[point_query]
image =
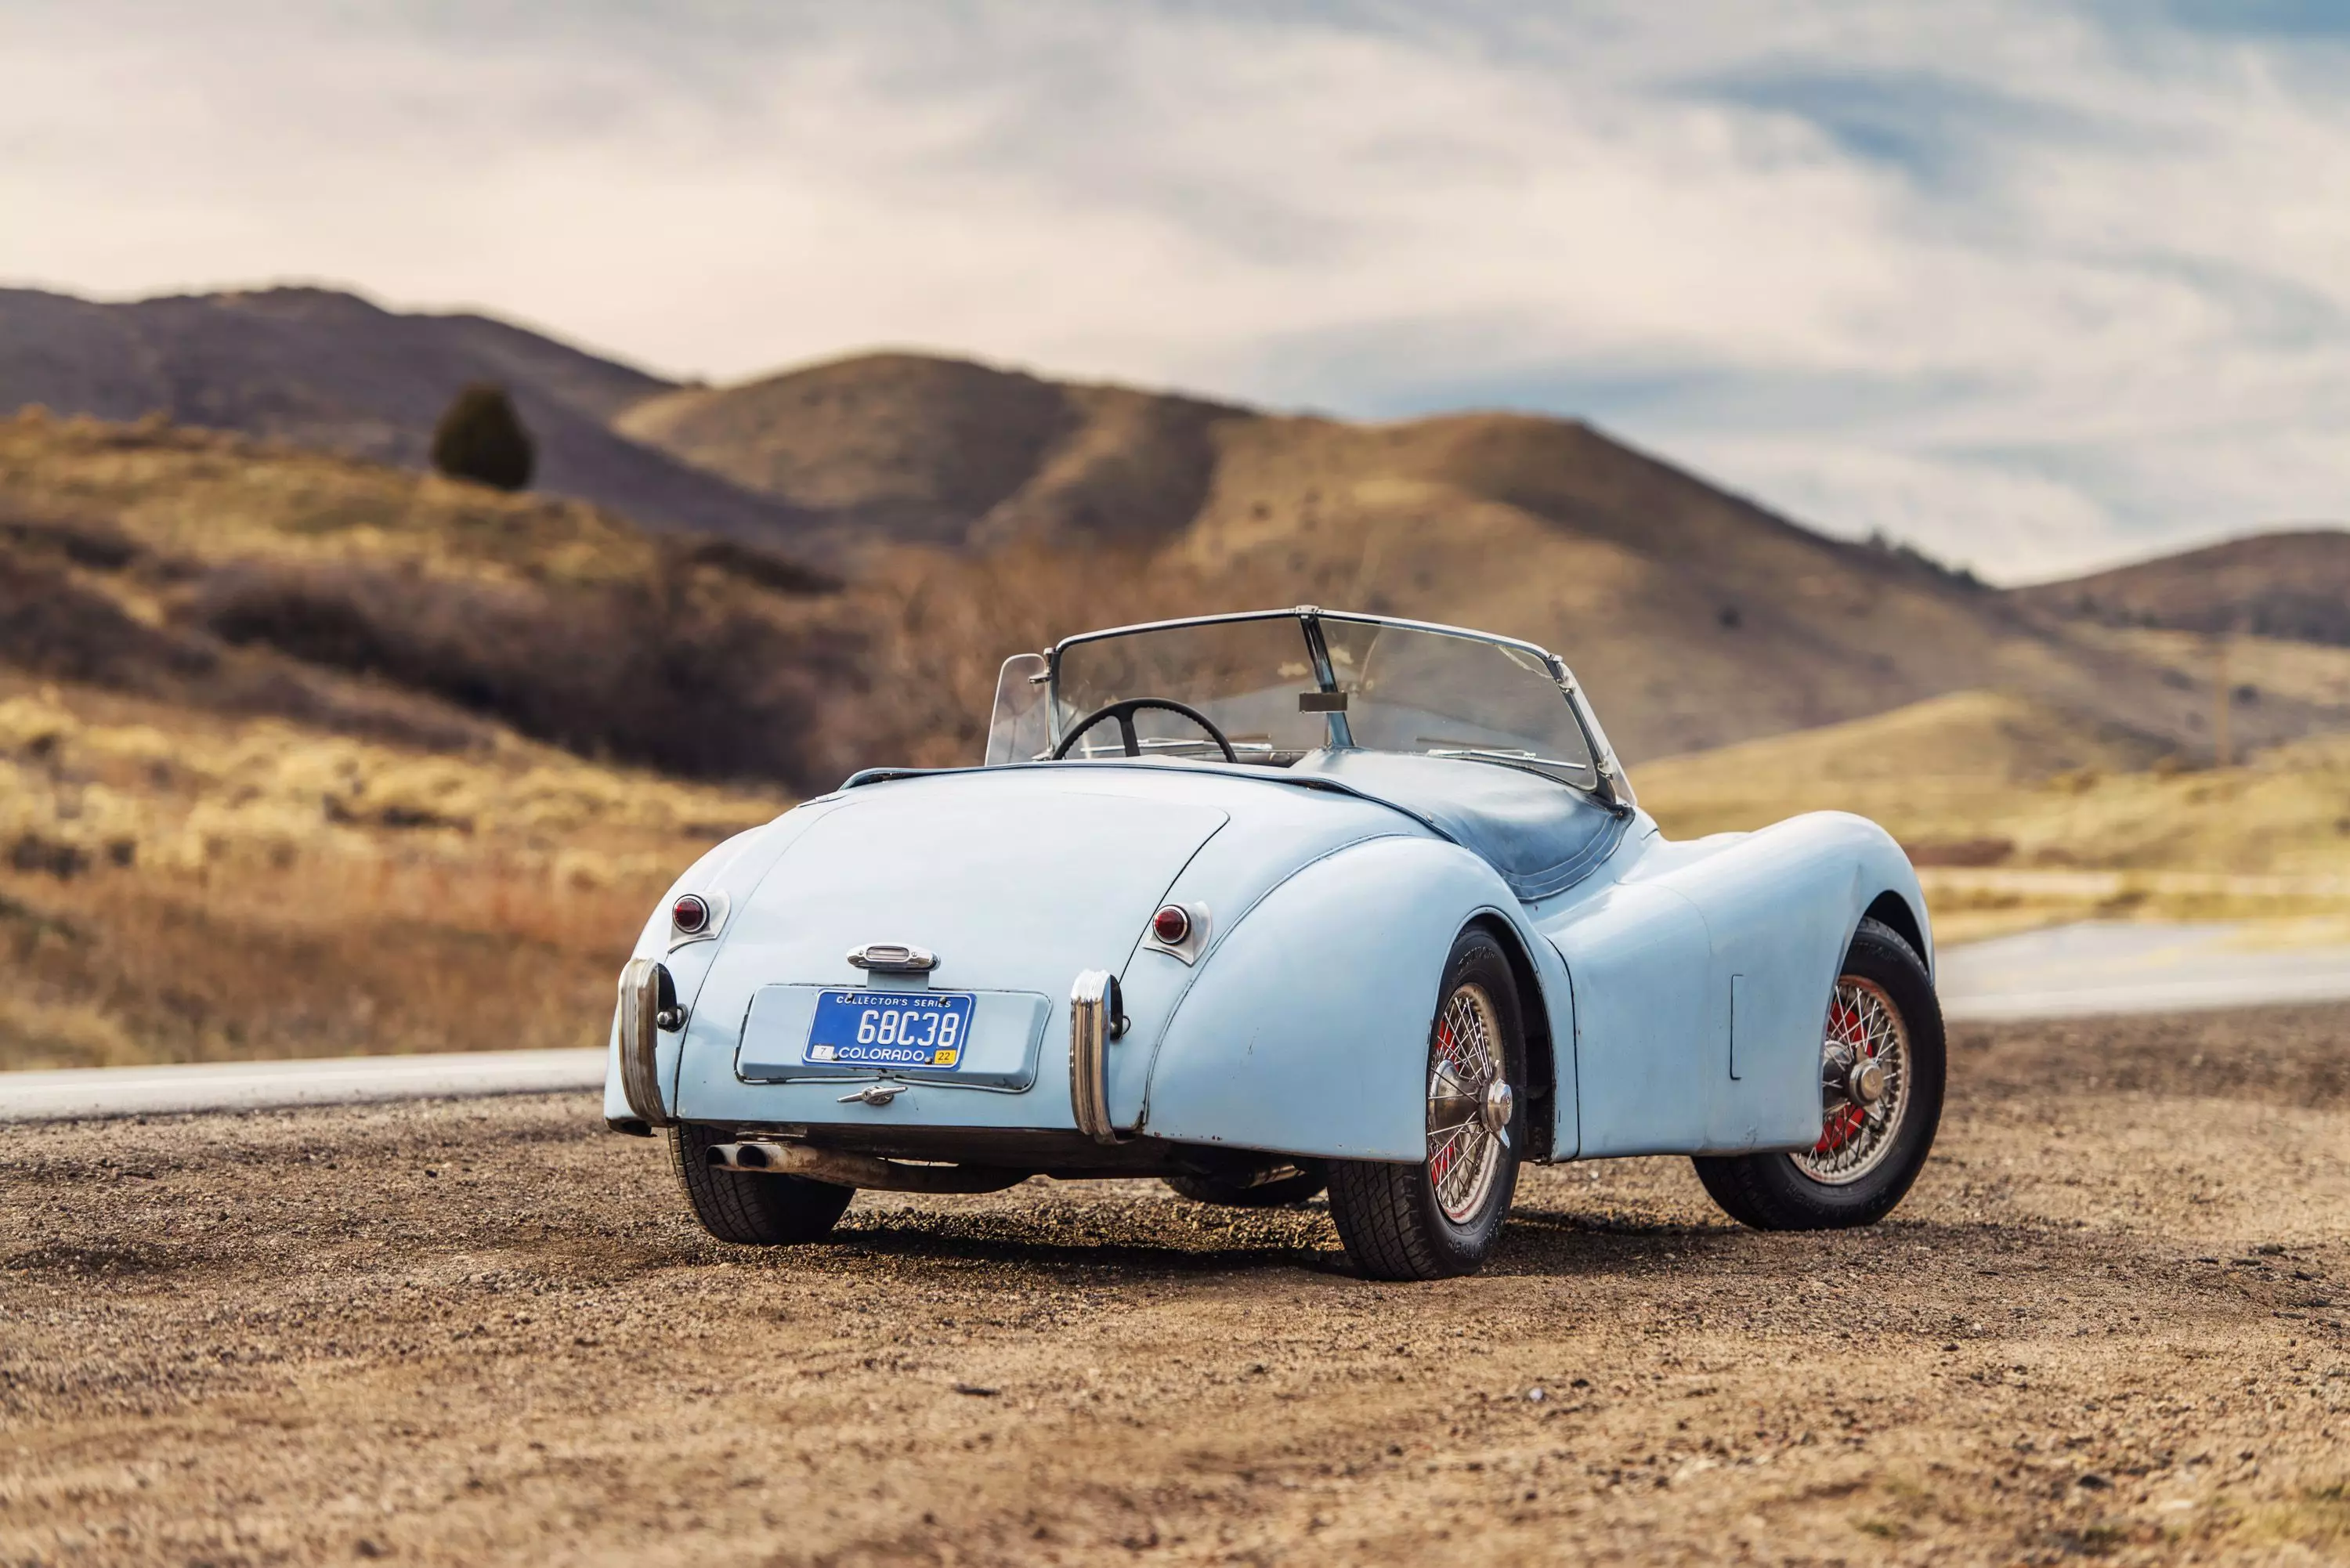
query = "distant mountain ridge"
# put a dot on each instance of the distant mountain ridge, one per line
(2291, 584)
(976, 505)
(329, 370)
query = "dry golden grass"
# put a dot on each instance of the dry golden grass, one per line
(176, 887)
(248, 578)
(2009, 806)
(208, 497)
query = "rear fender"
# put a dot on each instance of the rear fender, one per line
(731, 870)
(1306, 1029)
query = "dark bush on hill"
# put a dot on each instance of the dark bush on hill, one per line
(481, 438)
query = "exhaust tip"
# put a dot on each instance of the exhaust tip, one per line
(751, 1156)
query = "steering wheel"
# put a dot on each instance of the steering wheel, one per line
(1123, 713)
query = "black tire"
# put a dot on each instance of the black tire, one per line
(1772, 1192)
(750, 1206)
(1312, 1176)
(1388, 1215)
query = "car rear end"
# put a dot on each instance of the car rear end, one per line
(891, 969)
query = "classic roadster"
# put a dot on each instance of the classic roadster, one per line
(1265, 903)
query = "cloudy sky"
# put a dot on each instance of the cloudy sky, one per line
(2035, 286)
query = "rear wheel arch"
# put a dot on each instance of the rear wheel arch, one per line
(1542, 1069)
(1892, 909)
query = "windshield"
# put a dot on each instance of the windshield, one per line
(1281, 685)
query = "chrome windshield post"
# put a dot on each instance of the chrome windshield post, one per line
(1615, 790)
(1325, 674)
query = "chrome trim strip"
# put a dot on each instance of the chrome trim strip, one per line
(1289, 613)
(641, 985)
(1093, 1007)
(1310, 612)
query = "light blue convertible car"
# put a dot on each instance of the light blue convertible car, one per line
(1261, 904)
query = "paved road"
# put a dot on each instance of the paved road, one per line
(2095, 967)
(2119, 966)
(257, 1085)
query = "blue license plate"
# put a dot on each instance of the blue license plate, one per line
(890, 1028)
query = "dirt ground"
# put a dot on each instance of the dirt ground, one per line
(2109, 1323)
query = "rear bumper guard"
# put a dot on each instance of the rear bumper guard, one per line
(647, 1006)
(1096, 1018)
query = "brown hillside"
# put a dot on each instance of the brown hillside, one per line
(331, 370)
(919, 450)
(2294, 585)
(218, 572)
(1696, 618)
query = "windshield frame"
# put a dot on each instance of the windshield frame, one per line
(1612, 788)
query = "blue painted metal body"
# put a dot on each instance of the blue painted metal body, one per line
(1683, 986)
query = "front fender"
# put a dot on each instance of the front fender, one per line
(1307, 1030)
(1703, 980)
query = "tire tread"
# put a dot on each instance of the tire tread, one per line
(1386, 1212)
(749, 1208)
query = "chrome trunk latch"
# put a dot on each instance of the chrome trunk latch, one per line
(893, 957)
(874, 1095)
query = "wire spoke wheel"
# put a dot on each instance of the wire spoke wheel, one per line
(1464, 1149)
(1881, 1066)
(1865, 1081)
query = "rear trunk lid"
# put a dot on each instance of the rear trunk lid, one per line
(1014, 881)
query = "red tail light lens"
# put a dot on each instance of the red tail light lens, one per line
(1171, 925)
(689, 915)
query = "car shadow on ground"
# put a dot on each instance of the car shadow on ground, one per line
(1595, 1248)
(1129, 1258)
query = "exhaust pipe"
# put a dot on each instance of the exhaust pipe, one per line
(845, 1170)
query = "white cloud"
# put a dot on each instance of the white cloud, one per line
(2034, 286)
